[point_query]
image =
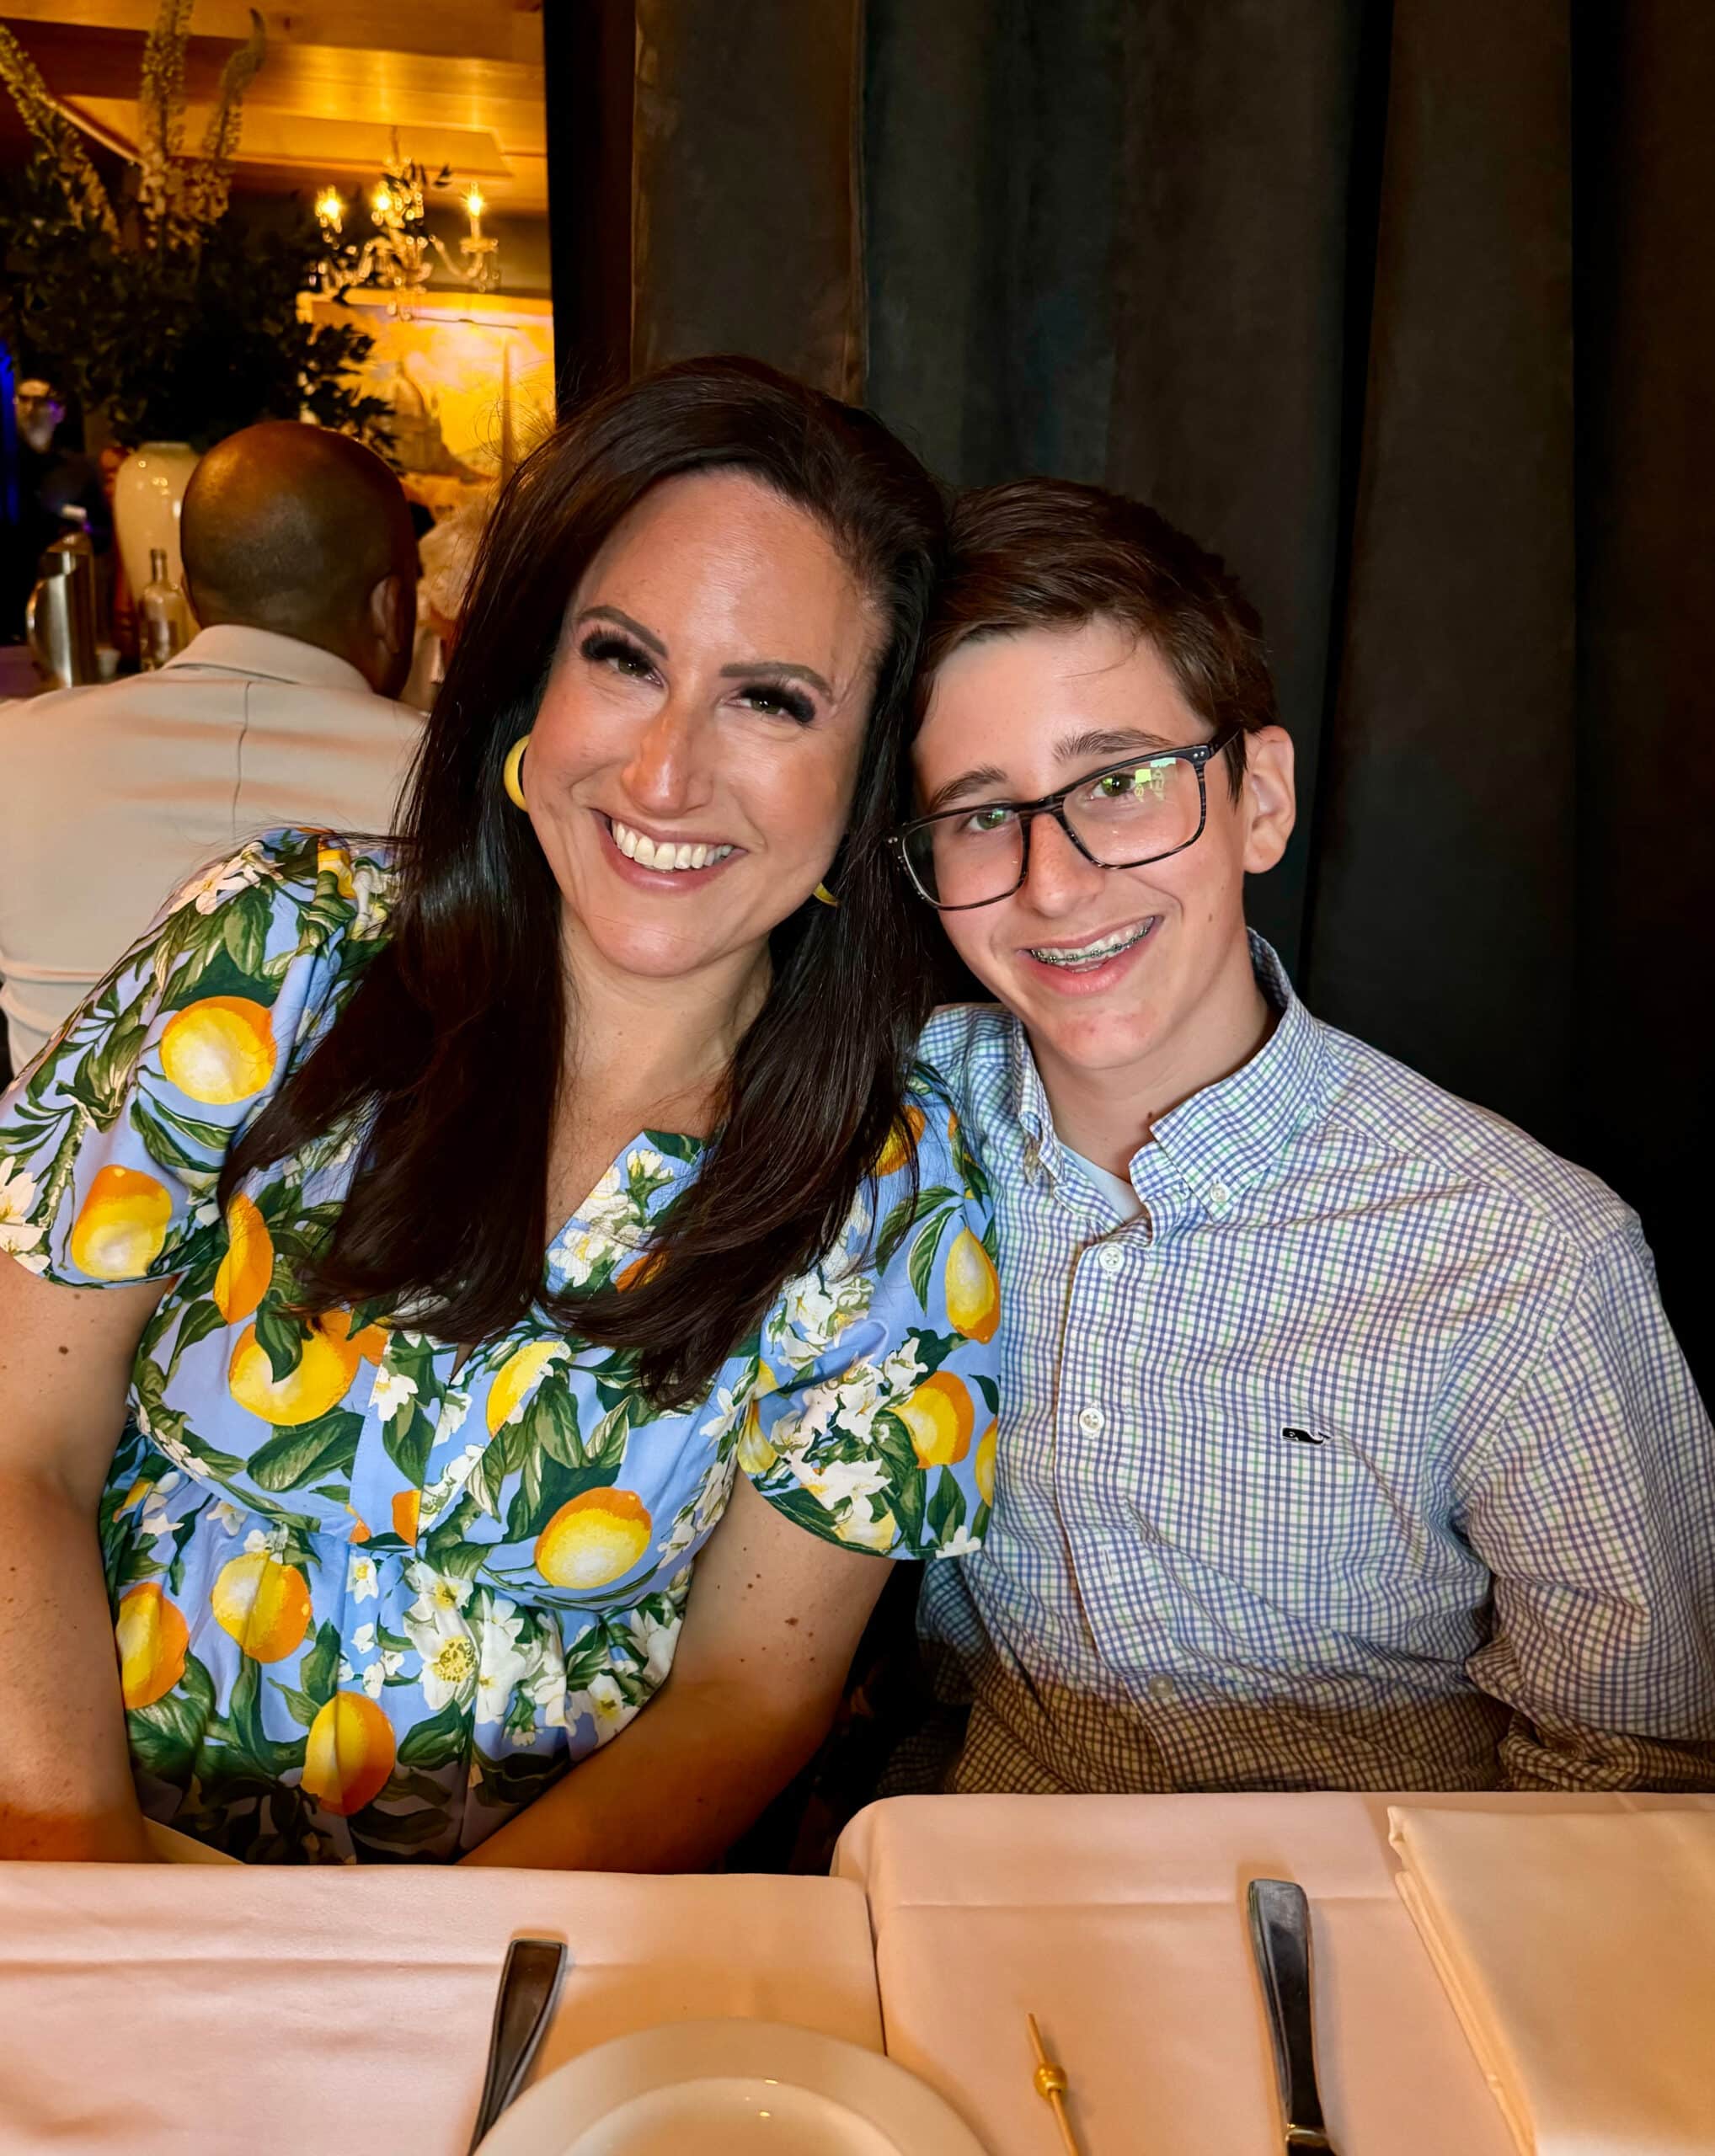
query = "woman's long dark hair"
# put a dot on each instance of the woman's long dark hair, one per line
(452, 1043)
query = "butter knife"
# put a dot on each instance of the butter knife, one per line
(1280, 1942)
(530, 1982)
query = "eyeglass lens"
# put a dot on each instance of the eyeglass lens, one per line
(1134, 814)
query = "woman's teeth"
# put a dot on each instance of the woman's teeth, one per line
(1089, 955)
(647, 853)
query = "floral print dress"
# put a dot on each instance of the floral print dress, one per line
(370, 1601)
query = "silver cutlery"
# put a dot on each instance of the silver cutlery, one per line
(1280, 1942)
(529, 1982)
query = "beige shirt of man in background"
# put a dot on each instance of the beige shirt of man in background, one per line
(112, 796)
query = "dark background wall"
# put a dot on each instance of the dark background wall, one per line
(1405, 307)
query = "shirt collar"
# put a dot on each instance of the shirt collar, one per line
(1232, 1132)
(1227, 1135)
(234, 650)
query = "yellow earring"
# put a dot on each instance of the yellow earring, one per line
(509, 775)
(824, 895)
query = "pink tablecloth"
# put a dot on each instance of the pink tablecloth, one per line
(1120, 1922)
(198, 2011)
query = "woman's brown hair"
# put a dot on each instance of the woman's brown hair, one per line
(448, 1056)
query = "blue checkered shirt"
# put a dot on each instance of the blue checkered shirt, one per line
(1365, 1459)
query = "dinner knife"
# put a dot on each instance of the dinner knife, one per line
(530, 1982)
(1280, 1942)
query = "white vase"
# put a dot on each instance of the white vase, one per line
(147, 495)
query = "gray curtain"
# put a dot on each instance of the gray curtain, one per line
(1407, 309)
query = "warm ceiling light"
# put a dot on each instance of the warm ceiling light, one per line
(330, 206)
(475, 202)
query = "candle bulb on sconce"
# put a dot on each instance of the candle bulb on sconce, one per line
(397, 260)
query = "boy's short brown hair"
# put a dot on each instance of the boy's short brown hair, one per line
(1049, 554)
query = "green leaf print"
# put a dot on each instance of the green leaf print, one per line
(244, 927)
(920, 1265)
(280, 1336)
(304, 1450)
(946, 1508)
(552, 1418)
(319, 1670)
(438, 1741)
(903, 1217)
(409, 1440)
(218, 976)
(299, 1706)
(110, 1070)
(163, 1738)
(905, 1497)
(989, 1390)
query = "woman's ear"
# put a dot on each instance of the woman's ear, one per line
(1269, 802)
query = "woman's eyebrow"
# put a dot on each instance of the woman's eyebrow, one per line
(624, 621)
(781, 668)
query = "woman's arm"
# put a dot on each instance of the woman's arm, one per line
(774, 1619)
(66, 1787)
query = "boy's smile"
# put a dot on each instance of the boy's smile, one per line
(1135, 983)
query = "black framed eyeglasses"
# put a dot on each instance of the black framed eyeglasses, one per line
(1122, 816)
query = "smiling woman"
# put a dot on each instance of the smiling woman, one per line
(501, 1223)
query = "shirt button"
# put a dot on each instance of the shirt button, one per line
(1110, 1257)
(1162, 1690)
(1092, 1421)
(1218, 1194)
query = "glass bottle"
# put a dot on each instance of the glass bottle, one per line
(165, 619)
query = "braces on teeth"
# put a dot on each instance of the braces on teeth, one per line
(1108, 947)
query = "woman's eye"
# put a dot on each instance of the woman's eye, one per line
(778, 701)
(622, 657)
(988, 819)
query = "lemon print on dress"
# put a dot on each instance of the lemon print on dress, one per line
(408, 1512)
(900, 1142)
(972, 1291)
(153, 1640)
(593, 1539)
(349, 1754)
(756, 1455)
(982, 1468)
(517, 1377)
(334, 861)
(248, 1266)
(122, 1226)
(940, 1418)
(263, 1605)
(325, 1368)
(219, 1050)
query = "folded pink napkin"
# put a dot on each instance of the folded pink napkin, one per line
(1578, 1952)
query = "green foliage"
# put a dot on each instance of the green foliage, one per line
(183, 340)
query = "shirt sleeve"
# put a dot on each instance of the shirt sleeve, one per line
(1594, 1508)
(874, 1419)
(111, 1143)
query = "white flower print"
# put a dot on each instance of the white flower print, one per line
(362, 1577)
(438, 1593)
(864, 1530)
(962, 1544)
(207, 891)
(19, 1234)
(154, 1520)
(838, 1482)
(448, 1647)
(500, 1664)
(393, 1390)
(370, 887)
(654, 1643)
(229, 1516)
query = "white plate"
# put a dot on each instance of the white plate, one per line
(730, 2088)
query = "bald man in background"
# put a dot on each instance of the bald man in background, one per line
(300, 561)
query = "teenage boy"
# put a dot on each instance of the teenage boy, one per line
(1345, 1443)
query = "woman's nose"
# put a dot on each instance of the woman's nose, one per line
(1057, 877)
(669, 770)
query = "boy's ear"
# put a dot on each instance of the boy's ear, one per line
(1269, 800)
